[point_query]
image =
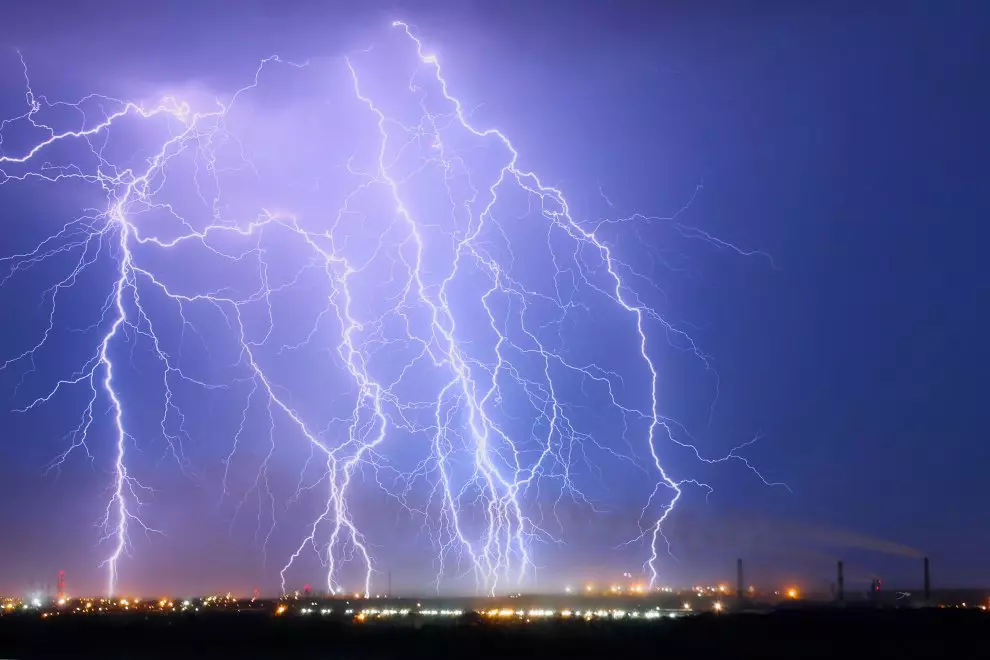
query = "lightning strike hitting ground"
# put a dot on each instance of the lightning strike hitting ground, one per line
(446, 330)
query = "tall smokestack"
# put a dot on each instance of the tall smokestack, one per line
(841, 584)
(928, 584)
(739, 579)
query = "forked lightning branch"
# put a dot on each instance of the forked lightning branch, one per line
(443, 325)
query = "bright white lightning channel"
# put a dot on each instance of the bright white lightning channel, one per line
(483, 520)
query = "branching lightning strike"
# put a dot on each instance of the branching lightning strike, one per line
(483, 520)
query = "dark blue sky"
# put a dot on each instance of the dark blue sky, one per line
(847, 142)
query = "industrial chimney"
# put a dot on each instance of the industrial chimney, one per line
(841, 584)
(739, 579)
(928, 584)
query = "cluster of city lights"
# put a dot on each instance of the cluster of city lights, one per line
(510, 614)
(707, 591)
(504, 613)
(621, 589)
(540, 613)
(107, 605)
(374, 613)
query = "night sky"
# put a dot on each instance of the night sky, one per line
(841, 146)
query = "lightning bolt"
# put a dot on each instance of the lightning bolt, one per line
(421, 371)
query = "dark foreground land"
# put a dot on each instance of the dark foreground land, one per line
(932, 633)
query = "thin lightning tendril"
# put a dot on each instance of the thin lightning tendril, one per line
(505, 475)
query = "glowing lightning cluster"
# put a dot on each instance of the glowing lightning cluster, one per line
(483, 513)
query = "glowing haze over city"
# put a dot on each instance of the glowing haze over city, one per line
(322, 317)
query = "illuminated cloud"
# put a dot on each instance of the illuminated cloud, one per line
(357, 280)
